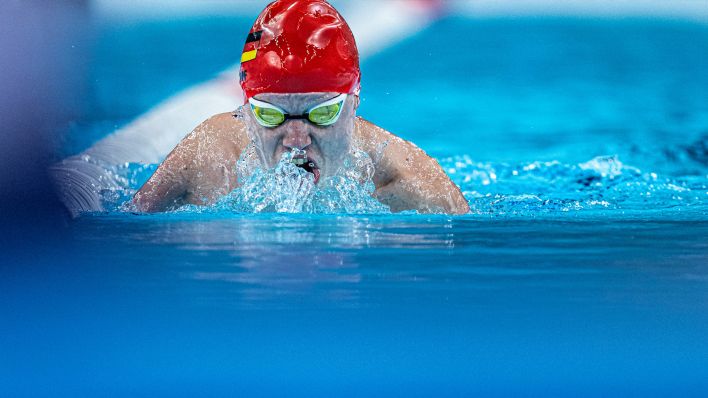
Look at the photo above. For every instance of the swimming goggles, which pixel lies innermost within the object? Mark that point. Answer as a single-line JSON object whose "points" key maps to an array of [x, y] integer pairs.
{"points": [[324, 114]]}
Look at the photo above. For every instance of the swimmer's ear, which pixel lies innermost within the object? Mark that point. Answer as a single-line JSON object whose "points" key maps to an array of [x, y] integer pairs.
{"points": [[356, 101]]}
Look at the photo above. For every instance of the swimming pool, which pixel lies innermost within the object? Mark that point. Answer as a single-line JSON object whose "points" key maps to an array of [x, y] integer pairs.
{"points": [[582, 270]]}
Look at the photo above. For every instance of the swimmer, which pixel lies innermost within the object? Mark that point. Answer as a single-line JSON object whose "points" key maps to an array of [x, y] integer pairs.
{"points": [[301, 79]]}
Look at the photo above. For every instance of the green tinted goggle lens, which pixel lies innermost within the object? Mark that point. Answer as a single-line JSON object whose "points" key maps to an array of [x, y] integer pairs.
{"points": [[323, 114], [269, 116]]}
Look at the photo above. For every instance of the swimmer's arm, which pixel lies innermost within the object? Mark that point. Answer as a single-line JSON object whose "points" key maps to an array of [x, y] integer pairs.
{"points": [[167, 187], [199, 170], [417, 182], [408, 179]]}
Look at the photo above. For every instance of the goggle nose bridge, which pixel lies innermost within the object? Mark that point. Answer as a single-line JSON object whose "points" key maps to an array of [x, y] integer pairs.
{"points": [[336, 100]]}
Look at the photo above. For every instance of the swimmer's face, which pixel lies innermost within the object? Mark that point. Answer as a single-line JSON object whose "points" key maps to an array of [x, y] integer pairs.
{"points": [[326, 146]]}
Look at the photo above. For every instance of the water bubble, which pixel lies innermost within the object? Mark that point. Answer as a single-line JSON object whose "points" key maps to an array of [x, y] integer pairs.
{"points": [[287, 188]]}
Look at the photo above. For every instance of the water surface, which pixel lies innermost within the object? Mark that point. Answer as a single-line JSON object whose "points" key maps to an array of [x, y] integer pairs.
{"points": [[582, 270]]}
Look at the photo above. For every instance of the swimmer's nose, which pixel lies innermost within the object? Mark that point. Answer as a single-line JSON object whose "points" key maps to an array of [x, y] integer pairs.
{"points": [[297, 135]]}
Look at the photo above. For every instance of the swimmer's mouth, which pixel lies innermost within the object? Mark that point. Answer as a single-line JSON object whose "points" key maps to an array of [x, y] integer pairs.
{"points": [[309, 165]]}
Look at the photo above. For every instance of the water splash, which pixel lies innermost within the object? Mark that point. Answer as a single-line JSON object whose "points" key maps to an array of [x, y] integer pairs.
{"points": [[287, 188], [603, 182], [524, 189]]}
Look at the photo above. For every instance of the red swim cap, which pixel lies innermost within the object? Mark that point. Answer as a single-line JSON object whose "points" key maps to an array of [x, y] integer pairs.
{"points": [[300, 46]]}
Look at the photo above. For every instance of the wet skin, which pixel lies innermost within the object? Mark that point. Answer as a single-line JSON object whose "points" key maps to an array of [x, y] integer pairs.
{"points": [[202, 167], [326, 145]]}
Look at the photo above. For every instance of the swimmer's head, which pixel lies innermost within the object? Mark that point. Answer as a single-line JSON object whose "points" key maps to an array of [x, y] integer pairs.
{"points": [[301, 79], [324, 147], [300, 46]]}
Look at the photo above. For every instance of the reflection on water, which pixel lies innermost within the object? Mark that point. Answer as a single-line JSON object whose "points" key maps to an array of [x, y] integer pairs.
{"points": [[263, 261], [273, 257]]}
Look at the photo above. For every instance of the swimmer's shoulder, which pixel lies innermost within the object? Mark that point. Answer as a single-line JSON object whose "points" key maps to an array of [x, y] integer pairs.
{"points": [[394, 157], [221, 137], [220, 132], [373, 138], [228, 127], [367, 133], [369, 137], [388, 151]]}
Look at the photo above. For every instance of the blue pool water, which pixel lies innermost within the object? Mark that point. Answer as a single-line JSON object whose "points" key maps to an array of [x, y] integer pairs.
{"points": [[582, 270]]}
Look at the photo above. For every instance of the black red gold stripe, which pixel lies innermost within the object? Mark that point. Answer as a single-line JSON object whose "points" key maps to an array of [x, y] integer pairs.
{"points": [[254, 36]]}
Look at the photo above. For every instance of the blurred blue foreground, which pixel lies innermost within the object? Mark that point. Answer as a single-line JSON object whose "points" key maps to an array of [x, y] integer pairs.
{"points": [[583, 270], [258, 305]]}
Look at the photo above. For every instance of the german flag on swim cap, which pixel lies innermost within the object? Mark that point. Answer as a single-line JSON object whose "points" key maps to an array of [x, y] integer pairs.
{"points": [[300, 46]]}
